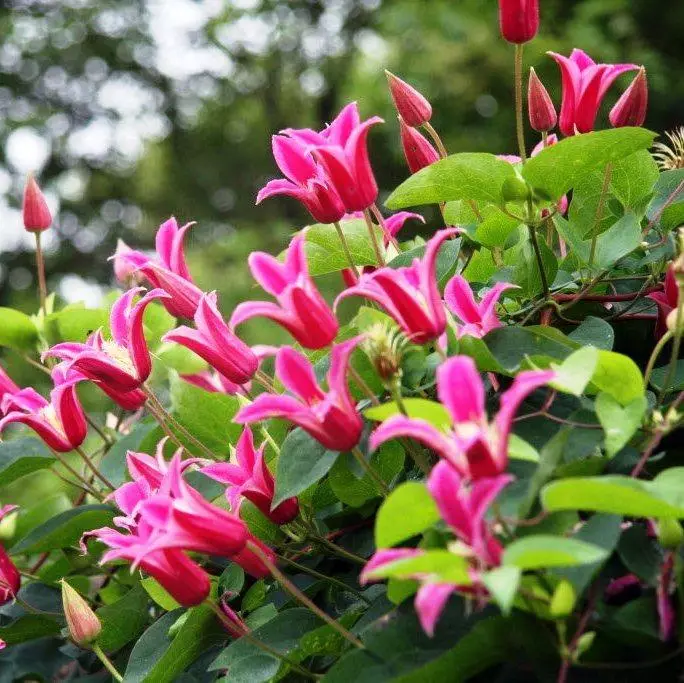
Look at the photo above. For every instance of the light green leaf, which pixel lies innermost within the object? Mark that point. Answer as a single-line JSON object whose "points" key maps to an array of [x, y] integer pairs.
{"points": [[575, 372], [519, 449], [503, 583], [559, 168], [618, 376], [440, 565], [523, 261], [417, 408], [619, 423], [540, 551], [159, 594], [460, 176], [407, 511], [17, 330]]}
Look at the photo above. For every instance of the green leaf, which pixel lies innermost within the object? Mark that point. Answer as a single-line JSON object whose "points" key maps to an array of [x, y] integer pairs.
{"points": [[618, 376], [17, 330], [232, 580], [207, 416], [302, 462], [29, 627], [659, 377], [156, 658], [503, 583], [178, 358], [124, 620], [594, 332], [575, 372], [559, 168], [519, 449], [417, 408], [618, 241], [634, 178], [619, 495], [324, 251], [65, 529], [523, 261], [460, 176], [260, 525], [496, 227], [247, 663], [75, 322], [669, 189], [20, 457], [619, 423], [540, 551], [159, 594], [445, 266], [407, 511], [441, 565], [113, 464]]}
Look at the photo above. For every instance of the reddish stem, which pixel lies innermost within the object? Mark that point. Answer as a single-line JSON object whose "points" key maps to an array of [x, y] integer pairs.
{"points": [[606, 298]]}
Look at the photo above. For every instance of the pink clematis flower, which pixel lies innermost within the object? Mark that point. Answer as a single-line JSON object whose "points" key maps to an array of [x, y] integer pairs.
{"points": [[169, 272], [60, 422], [127, 263], [585, 84], [215, 342], [10, 579], [123, 363], [301, 309], [478, 318], [410, 295], [329, 417], [519, 20], [666, 301], [342, 153], [7, 387], [249, 477], [667, 615], [213, 382], [473, 445], [304, 180]]}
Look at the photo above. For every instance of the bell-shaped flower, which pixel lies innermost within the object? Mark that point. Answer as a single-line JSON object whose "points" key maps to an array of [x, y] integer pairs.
{"points": [[667, 300], [83, 624], [213, 382], [585, 84], [329, 417], [418, 150], [410, 295], [477, 318], [59, 422], [631, 108], [411, 105], [519, 20], [7, 386], [249, 477], [475, 446], [35, 211], [216, 343], [123, 363], [169, 271], [301, 309], [304, 180], [10, 579], [127, 263]]}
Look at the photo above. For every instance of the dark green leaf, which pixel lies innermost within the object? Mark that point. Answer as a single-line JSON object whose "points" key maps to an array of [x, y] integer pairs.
{"points": [[124, 620], [525, 267], [19, 457], [659, 377], [594, 332], [29, 627]]}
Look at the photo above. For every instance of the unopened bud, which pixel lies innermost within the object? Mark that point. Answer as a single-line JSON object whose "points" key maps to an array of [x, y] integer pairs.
{"points": [[543, 116], [413, 107], [670, 533], [630, 109], [515, 189], [519, 20], [36, 214], [563, 600], [674, 321], [384, 346], [83, 624], [127, 262], [418, 151]]}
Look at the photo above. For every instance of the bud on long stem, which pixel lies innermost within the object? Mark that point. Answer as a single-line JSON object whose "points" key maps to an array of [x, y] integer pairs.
{"points": [[630, 109], [542, 113], [83, 624]]}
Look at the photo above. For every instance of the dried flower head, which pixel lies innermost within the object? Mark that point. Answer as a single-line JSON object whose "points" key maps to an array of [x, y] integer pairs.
{"points": [[384, 345], [670, 156]]}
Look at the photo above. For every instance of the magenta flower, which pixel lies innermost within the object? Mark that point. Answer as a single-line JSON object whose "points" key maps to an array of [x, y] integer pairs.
{"points": [[418, 151], [667, 615], [473, 445], [477, 318], [215, 342], [10, 579], [410, 295], [304, 180], [519, 20], [127, 263], [169, 272], [301, 309], [60, 422], [7, 387], [329, 417], [630, 109], [666, 301], [123, 363], [249, 477], [213, 382], [585, 84]]}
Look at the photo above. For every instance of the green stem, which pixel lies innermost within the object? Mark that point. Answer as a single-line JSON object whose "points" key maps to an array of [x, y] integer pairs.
{"points": [[519, 101], [607, 177], [657, 349], [370, 471], [436, 139], [418, 456], [676, 346], [374, 238], [540, 262], [306, 601], [98, 429], [72, 471], [91, 466], [345, 248], [40, 267], [107, 662], [381, 222]]}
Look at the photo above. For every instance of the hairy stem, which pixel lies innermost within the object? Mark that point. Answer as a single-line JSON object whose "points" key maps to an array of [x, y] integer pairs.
{"points": [[374, 238], [662, 342], [370, 471], [107, 662], [520, 131], [608, 175], [436, 139], [40, 267], [345, 248]]}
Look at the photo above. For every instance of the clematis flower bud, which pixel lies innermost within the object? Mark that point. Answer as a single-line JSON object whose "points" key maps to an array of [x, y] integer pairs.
{"points": [[413, 108], [519, 20], [630, 109], [543, 116], [10, 579], [418, 151], [83, 624], [36, 214]]}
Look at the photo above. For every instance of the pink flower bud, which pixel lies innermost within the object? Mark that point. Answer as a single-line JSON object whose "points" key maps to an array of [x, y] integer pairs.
{"points": [[10, 579], [543, 117], [36, 213], [411, 105], [418, 151], [630, 109], [83, 624], [519, 20]]}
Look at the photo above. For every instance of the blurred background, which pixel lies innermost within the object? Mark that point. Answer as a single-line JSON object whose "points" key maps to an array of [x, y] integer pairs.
{"points": [[129, 111]]}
